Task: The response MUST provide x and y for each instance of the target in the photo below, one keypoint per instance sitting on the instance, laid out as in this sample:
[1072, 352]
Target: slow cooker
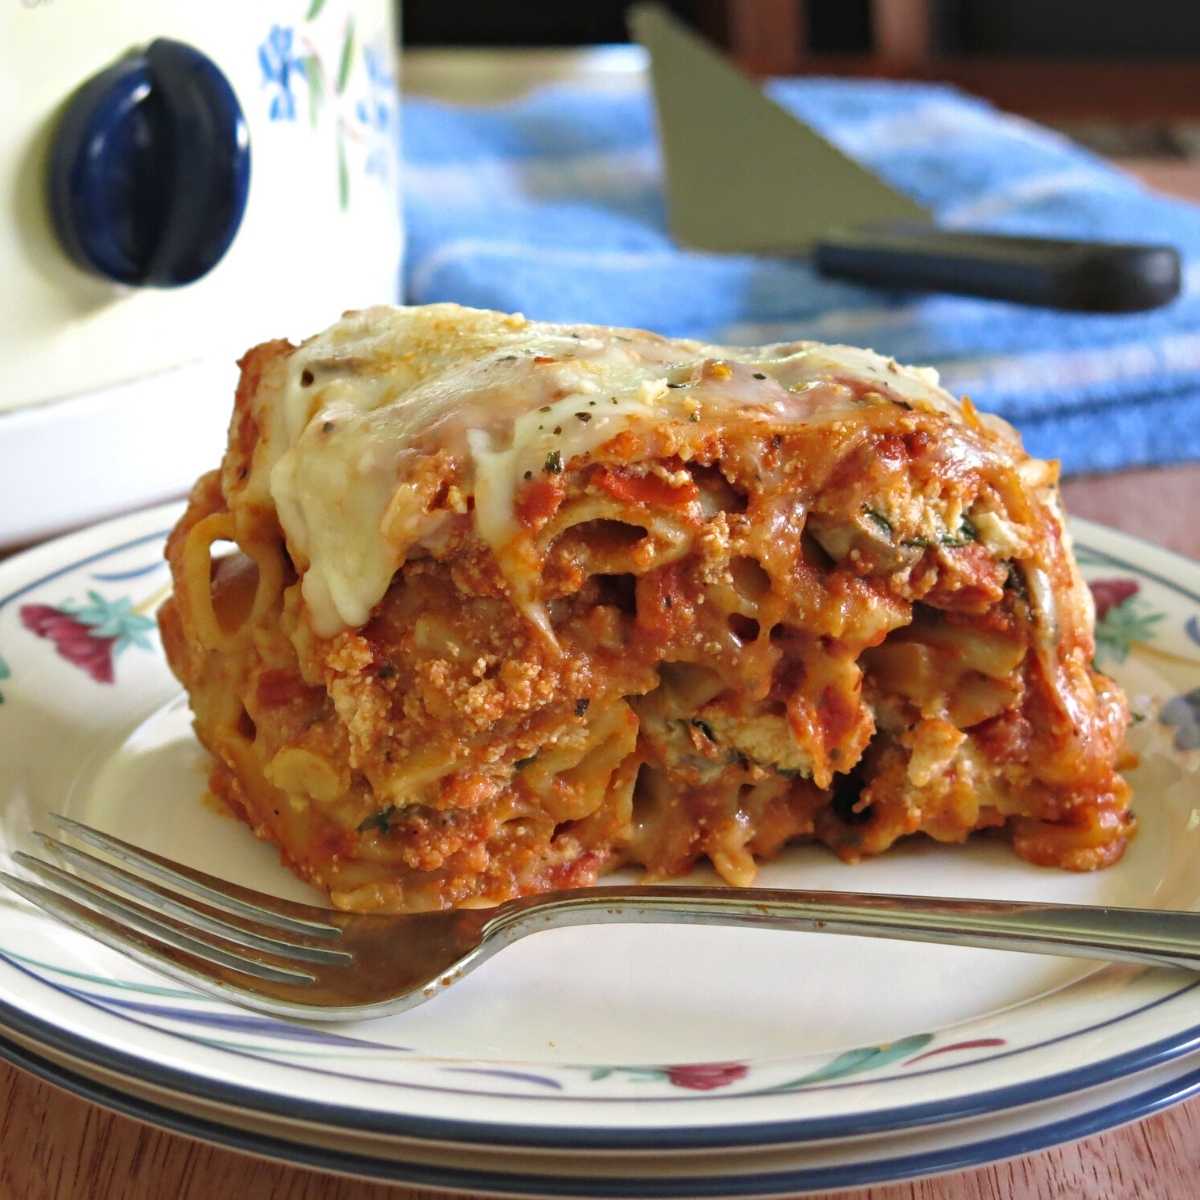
[183, 180]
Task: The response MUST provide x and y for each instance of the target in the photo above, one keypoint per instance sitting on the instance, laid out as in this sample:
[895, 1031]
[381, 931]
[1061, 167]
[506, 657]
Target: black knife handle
[1053, 273]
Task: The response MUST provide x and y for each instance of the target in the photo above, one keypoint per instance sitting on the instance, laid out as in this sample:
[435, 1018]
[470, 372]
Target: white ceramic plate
[745, 1172]
[619, 1039]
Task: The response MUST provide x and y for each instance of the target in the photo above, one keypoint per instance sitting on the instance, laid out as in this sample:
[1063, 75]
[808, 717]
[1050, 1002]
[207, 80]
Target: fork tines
[187, 914]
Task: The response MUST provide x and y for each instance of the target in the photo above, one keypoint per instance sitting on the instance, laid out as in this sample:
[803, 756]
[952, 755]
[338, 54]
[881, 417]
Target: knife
[743, 175]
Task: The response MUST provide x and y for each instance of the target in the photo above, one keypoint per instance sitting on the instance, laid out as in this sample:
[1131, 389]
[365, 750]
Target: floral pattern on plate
[117, 614]
[91, 635]
[1123, 618]
[207, 1020]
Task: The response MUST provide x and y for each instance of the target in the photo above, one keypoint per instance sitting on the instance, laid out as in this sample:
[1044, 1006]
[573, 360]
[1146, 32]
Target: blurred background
[1116, 399]
[507, 156]
[1101, 62]
[1120, 78]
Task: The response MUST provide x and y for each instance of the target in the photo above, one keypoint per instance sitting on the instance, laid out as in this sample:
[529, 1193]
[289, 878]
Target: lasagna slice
[477, 606]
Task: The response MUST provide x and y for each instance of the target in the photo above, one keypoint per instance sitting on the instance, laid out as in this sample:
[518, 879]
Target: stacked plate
[613, 1061]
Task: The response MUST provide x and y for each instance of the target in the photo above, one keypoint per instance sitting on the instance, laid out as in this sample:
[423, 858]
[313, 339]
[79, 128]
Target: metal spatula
[745, 176]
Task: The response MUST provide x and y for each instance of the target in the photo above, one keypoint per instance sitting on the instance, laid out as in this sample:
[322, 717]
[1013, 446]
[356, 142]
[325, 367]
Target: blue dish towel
[553, 206]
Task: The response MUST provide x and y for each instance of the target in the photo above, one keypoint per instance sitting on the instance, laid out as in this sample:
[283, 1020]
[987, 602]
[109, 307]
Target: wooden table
[56, 1147]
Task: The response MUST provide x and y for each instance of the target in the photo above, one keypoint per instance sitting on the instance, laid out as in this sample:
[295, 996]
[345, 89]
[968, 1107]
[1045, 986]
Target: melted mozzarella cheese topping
[366, 401]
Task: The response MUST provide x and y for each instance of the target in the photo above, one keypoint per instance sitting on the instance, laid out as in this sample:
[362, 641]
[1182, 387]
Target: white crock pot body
[111, 394]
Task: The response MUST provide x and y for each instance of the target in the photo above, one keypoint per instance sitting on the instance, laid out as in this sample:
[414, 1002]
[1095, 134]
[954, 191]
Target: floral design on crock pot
[279, 64]
[5, 673]
[90, 636]
[1122, 617]
[289, 55]
[374, 111]
[1182, 713]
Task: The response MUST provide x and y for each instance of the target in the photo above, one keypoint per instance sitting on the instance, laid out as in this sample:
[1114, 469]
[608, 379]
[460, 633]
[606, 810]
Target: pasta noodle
[510, 604]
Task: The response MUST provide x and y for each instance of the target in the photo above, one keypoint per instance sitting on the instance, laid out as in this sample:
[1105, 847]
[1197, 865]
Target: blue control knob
[150, 167]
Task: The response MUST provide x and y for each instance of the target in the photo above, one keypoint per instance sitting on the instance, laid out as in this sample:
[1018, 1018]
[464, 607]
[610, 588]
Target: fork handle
[1136, 935]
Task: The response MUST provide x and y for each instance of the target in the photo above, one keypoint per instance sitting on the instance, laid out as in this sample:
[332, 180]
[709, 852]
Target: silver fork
[297, 960]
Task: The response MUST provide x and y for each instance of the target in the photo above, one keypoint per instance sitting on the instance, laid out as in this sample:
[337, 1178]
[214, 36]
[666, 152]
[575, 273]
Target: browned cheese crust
[707, 635]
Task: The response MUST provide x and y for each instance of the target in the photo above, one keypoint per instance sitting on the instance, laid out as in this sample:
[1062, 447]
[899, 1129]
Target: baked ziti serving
[477, 606]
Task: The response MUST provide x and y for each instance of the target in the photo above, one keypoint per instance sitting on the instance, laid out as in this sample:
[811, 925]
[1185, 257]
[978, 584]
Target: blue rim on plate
[600, 1137]
[850, 1174]
[480, 1133]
